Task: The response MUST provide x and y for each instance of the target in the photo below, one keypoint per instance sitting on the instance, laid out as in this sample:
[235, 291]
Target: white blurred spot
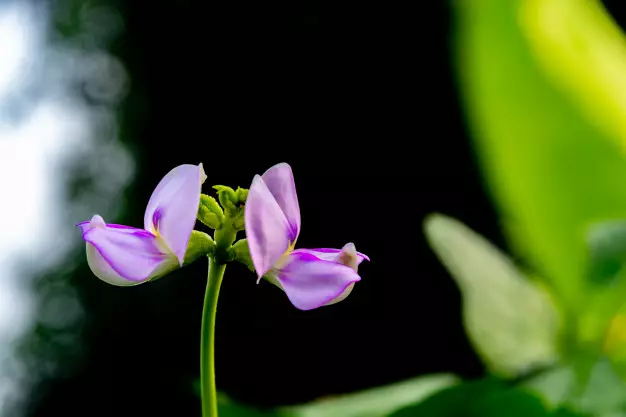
[15, 43]
[36, 224]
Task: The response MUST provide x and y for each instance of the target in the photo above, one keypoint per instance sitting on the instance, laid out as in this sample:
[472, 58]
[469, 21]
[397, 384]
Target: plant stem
[207, 339]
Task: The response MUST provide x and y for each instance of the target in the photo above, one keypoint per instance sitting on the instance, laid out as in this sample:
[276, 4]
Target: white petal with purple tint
[100, 268]
[122, 255]
[173, 207]
[267, 228]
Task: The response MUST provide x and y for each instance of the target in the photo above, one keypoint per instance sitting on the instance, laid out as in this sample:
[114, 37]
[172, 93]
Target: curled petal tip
[203, 176]
[97, 221]
[349, 248]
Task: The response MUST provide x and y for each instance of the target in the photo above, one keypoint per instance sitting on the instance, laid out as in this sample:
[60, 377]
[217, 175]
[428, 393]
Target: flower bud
[241, 253]
[200, 244]
[210, 213]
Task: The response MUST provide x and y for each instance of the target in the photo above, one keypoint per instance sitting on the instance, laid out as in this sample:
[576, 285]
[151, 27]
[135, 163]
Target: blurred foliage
[484, 398]
[376, 402]
[543, 85]
[553, 170]
[511, 322]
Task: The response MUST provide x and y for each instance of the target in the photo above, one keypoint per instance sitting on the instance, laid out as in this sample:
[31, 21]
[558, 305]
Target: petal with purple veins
[267, 229]
[280, 182]
[311, 282]
[101, 268]
[173, 207]
[116, 253]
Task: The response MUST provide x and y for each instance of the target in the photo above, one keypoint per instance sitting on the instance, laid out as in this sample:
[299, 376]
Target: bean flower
[124, 256]
[311, 278]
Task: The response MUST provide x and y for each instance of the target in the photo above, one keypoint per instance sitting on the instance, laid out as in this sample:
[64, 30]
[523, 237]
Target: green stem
[207, 339]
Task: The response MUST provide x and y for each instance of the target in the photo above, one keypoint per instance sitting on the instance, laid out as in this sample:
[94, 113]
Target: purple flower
[124, 256]
[311, 278]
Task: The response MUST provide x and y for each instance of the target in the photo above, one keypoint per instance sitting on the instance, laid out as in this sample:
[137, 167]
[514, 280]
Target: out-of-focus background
[99, 99]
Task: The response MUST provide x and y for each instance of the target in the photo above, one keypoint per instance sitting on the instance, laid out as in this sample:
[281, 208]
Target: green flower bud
[242, 195]
[241, 253]
[200, 244]
[210, 213]
[239, 221]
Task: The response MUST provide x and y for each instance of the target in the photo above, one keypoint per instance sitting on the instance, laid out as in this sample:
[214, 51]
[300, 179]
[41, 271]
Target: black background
[360, 99]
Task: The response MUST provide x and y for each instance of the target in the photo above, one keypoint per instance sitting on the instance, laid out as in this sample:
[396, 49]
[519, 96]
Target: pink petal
[311, 282]
[267, 229]
[122, 255]
[173, 207]
[280, 182]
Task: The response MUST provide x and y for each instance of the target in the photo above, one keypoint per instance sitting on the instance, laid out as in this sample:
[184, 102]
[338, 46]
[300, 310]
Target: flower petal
[280, 182]
[173, 207]
[117, 254]
[333, 255]
[100, 267]
[311, 282]
[267, 228]
[342, 296]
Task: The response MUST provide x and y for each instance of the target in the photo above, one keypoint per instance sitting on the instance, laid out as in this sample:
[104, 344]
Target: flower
[124, 256]
[311, 278]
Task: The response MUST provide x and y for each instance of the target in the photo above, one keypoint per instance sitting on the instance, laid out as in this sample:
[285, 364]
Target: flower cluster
[311, 278]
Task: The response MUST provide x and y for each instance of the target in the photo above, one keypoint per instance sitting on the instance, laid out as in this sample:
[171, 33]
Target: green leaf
[598, 391]
[375, 402]
[553, 164]
[511, 322]
[607, 251]
[607, 281]
[554, 386]
[228, 408]
[604, 392]
[484, 398]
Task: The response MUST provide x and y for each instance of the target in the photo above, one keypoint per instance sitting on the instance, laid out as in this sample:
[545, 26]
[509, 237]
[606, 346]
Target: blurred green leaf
[604, 392]
[607, 251]
[236, 410]
[375, 402]
[583, 50]
[615, 342]
[511, 322]
[551, 164]
[599, 392]
[484, 398]
[607, 279]
[554, 385]
[230, 408]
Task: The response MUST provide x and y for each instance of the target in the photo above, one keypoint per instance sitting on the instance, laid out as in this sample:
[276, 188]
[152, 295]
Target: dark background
[361, 100]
